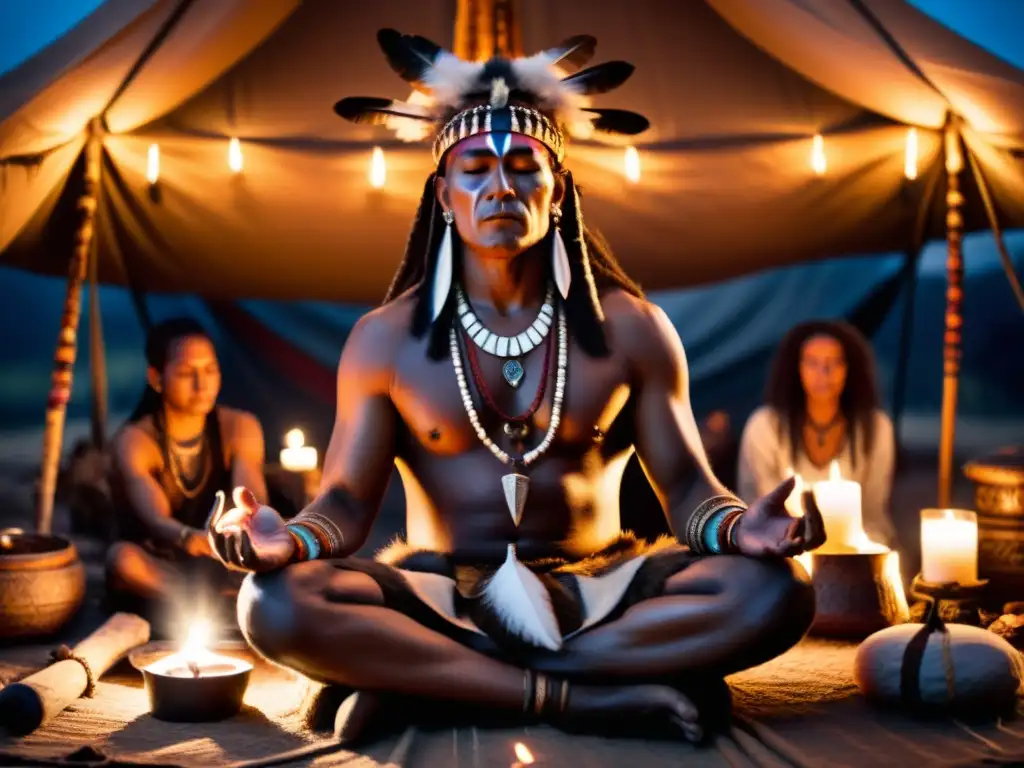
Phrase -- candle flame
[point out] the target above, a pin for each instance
(295, 439)
(523, 754)
(153, 164)
(910, 156)
(631, 162)
(378, 168)
(833, 471)
(198, 638)
(235, 155)
(819, 164)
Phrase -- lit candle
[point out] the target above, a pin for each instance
(194, 660)
(840, 503)
(949, 546)
(297, 456)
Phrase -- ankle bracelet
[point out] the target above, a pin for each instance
(544, 696)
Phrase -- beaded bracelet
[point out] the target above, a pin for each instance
(712, 524)
(330, 536)
(309, 545)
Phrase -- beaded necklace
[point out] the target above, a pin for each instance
(515, 484)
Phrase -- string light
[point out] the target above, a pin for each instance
(153, 164)
(631, 162)
(378, 168)
(235, 156)
(910, 156)
(819, 164)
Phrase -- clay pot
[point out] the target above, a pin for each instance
(856, 594)
(42, 584)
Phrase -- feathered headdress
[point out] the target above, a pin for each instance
(545, 96)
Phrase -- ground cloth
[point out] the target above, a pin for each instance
(799, 711)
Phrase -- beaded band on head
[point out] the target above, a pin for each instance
(545, 96)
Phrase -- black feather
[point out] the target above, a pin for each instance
(373, 111)
(619, 121)
(573, 53)
(411, 56)
(600, 78)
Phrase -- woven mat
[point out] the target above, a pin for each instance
(801, 710)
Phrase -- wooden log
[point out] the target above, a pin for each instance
(34, 701)
(67, 342)
(954, 315)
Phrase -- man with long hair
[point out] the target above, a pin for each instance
(510, 374)
(177, 450)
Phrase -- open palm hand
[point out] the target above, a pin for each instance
(767, 528)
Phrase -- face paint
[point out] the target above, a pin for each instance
(500, 187)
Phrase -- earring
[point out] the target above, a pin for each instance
(559, 256)
(443, 269)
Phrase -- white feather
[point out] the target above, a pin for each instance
(522, 603)
(408, 129)
(450, 78)
(538, 75)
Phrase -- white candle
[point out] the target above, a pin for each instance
(296, 456)
(949, 546)
(840, 503)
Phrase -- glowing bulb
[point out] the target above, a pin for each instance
(833, 471)
(818, 162)
(523, 753)
(378, 169)
(153, 164)
(235, 155)
(632, 164)
(910, 155)
(295, 439)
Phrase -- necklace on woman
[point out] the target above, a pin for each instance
(177, 454)
(515, 484)
(822, 430)
(510, 347)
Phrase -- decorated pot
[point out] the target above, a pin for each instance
(999, 501)
(42, 584)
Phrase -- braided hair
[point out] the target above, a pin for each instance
(594, 270)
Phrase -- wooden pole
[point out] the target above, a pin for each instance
(485, 28)
(954, 316)
(97, 356)
(67, 342)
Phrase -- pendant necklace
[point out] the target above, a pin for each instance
(516, 427)
(822, 431)
(510, 347)
(516, 485)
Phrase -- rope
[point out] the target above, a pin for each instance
(64, 653)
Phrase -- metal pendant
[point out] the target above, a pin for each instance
(516, 487)
(513, 372)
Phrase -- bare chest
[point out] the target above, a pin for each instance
(429, 399)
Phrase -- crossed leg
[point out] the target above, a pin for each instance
(719, 615)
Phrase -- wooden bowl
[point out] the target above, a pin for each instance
(42, 584)
(856, 594)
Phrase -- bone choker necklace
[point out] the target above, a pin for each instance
(516, 485)
(510, 347)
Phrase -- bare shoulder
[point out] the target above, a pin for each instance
(238, 423)
(136, 448)
(374, 342)
(641, 328)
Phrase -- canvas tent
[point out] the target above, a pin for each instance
(735, 90)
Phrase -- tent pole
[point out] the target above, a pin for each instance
(484, 28)
(97, 355)
(67, 342)
(954, 317)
